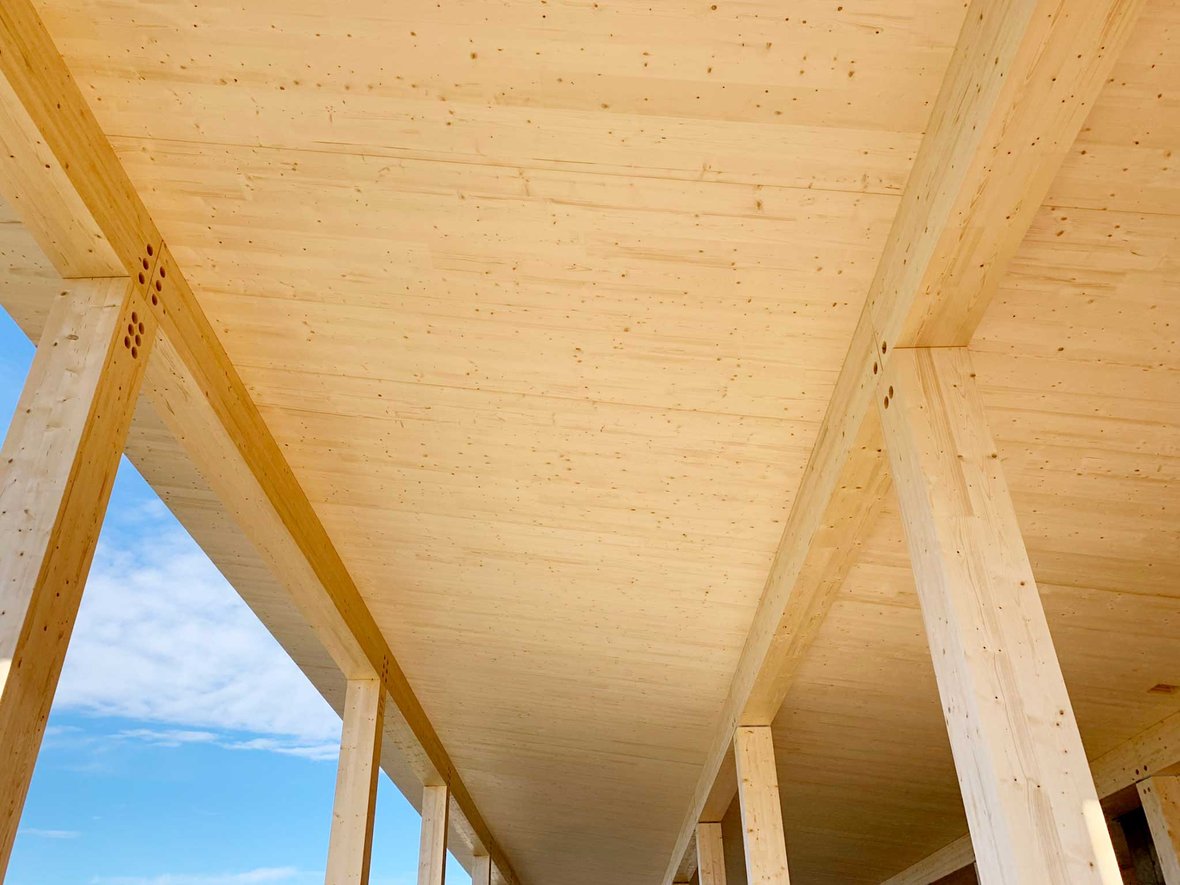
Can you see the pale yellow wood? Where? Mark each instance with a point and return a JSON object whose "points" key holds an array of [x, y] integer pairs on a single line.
{"points": [[1160, 796], [977, 182], [510, 340], [84, 207], [762, 817], [57, 468], [710, 854], [84, 210], [1030, 800], [432, 848], [481, 870], [1155, 749], [351, 843]]}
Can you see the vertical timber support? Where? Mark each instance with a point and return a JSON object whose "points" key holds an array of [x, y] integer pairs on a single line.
{"points": [[57, 469], [432, 851], [481, 870], [1160, 796], [351, 844], [1031, 805], [762, 814], [710, 854]]}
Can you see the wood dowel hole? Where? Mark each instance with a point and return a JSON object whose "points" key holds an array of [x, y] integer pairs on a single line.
{"points": [[134, 352], [150, 250], [874, 368], [891, 390], [155, 301], [142, 279], [887, 402], [126, 340]]}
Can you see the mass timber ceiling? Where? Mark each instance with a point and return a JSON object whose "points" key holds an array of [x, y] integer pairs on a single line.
{"points": [[545, 302]]}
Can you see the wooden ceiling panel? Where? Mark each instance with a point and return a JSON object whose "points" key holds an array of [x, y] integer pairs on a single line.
{"points": [[1079, 363], [545, 301]]}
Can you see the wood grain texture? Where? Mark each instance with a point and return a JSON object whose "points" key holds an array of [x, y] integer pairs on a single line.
{"points": [[972, 193], [762, 817], [432, 849], [191, 374], [1030, 800], [550, 374], [351, 843], [59, 462], [710, 855], [481, 870], [1161, 803]]}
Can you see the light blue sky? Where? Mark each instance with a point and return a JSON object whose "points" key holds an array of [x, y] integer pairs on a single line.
{"points": [[184, 747]]}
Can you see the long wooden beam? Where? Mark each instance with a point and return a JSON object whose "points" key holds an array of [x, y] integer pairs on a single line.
{"points": [[1161, 805], [57, 469], [1030, 800], [351, 844], [1022, 78], [61, 173], [432, 848], [1153, 750]]}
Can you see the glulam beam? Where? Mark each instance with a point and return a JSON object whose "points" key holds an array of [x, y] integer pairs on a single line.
{"points": [[1161, 804], [57, 469], [481, 870], [1032, 808], [351, 842], [763, 838], [1154, 750], [432, 847], [710, 854], [60, 172], [1022, 78]]}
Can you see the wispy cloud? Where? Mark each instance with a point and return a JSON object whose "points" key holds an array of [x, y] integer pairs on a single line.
{"points": [[249, 877], [49, 834], [162, 637], [175, 737]]}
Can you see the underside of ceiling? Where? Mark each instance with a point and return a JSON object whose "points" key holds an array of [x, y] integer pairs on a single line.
{"points": [[545, 303]]}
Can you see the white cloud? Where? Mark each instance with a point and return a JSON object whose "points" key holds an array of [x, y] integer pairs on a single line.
{"points": [[249, 877], [175, 737], [162, 637], [49, 834]]}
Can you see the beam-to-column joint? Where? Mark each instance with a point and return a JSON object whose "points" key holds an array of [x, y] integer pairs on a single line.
{"points": [[763, 837], [351, 843], [432, 850], [57, 469], [1160, 796], [1031, 805]]}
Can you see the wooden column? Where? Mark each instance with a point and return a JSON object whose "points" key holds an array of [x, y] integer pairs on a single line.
{"points": [[1160, 796], [1030, 800], [762, 813], [481, 870], [710, 854], [432, 851], [57, 468], [351, 844]]}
